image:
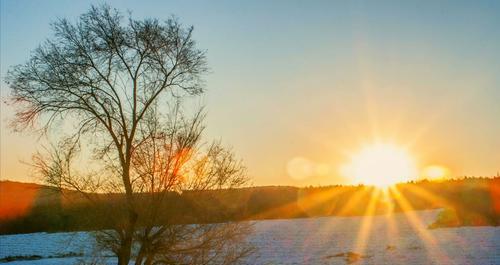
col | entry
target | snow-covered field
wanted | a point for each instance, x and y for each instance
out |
(398, 239)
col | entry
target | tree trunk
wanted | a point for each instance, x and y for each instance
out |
(140, 255)
(149, 260)
(125, 252)
(127, 240)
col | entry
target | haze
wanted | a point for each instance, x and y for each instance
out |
(317, 81)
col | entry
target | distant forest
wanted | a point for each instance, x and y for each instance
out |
(27, 208)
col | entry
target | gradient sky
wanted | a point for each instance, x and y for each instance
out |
(317, 79)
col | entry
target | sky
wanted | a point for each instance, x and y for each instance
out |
(315, 81)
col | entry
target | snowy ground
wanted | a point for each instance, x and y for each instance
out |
(400, 239)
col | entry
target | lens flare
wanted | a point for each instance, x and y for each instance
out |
(435, 172)
(301, 168)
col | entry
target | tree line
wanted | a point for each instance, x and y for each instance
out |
(470, 201)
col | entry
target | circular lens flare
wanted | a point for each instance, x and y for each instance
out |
(435, 172)
(300, 168)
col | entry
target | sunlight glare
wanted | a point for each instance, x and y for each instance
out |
(381, 165)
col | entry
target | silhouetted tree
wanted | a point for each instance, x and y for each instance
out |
(120, 86)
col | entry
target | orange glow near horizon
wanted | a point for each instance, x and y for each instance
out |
(17, 200)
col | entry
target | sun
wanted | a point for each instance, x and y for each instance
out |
(381, 165)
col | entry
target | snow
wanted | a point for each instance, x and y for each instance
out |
(318, 240)
(398, 239)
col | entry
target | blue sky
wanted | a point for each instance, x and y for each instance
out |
(317, 79)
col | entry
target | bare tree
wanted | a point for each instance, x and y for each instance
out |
(120, 85)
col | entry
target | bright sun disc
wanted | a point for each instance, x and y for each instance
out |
(381, 165)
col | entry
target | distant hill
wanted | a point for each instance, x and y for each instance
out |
(28, 207)
(18, 199)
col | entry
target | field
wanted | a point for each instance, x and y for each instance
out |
(398, 239)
